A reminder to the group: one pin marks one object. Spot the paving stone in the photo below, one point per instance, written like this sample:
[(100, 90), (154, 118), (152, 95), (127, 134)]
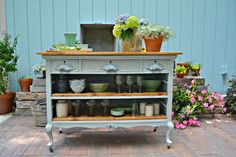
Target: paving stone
[(23, 104), (29, 96), (38, 89), (39, 82)]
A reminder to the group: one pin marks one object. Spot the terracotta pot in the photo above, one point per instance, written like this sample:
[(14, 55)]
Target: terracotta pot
[(180, 75), (153, 45), (6, 101), (186, 66), (196, 72), (25, 84)]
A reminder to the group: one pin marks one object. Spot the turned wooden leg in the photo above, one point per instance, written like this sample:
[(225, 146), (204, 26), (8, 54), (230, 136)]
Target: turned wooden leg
[(48, 129), (169, 134)]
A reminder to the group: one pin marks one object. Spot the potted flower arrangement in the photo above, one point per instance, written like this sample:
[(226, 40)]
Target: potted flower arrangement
[(125, 28), (39, 70), (180, 71), (25, 82), (195, 69), (187, 65), (154, 35), (8, 62)]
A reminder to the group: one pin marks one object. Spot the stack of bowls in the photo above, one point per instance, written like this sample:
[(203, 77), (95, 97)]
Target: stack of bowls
[(77, 85), (117, 112)]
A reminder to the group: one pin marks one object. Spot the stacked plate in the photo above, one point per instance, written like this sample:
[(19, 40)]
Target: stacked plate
[(77, 85), (117, 112)]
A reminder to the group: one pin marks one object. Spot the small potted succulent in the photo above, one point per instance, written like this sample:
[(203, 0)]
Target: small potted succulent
[(180, 71), (8, 62), (125, 28), (25, 82), (187, 65), (195, 69), (39, 70), (154, 35)]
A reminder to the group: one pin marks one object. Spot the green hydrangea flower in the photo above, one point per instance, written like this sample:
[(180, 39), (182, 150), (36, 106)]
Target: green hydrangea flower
[(132, 22), (117, 30)]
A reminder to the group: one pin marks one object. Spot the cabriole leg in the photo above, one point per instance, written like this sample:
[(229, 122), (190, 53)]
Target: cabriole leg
[(169, 134), (48, 129)]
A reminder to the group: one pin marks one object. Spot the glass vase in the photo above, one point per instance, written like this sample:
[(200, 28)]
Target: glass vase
[(132, 44)]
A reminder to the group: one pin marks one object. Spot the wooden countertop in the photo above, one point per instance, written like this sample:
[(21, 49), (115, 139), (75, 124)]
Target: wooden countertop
[(85, 53)]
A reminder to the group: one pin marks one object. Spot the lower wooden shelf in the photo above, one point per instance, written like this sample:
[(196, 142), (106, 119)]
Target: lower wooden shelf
[(109, 118)]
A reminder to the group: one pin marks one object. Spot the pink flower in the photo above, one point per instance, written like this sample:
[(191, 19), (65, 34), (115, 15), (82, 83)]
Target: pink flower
[(182, 115), (176, 124), (222, 103), (193, 122), (224, 110), (188, 111), (205, 105), (212, 107), (209, 98), (193, 81), (192, 99), (180, 126), (200, 98), (203, 91), (185, 85), (185, 122)]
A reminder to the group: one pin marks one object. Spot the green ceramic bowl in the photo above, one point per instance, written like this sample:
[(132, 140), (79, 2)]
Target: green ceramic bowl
[(117, 111), (151, 85), (98, 87)]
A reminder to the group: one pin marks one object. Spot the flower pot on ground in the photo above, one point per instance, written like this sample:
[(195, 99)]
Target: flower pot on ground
[(180, 71), (8, 61), (195, 69), (25, 82), (154, 35), (126, 29), (39, 70)]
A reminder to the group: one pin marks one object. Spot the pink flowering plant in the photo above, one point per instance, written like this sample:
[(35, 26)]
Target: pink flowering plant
[(188, 102)]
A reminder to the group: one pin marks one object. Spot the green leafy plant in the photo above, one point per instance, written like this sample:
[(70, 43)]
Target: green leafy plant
[(8, 60), (180, 70), (39, 68), (195, 66), (230, 99), (25, 77), (154, 31), (126, 26)]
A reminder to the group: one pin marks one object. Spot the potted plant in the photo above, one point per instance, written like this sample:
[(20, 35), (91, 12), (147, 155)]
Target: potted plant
[(25, 82), (154, 35), (8, 62), (180, 71), (125, 28), (39, 70), (195, 69), (187, 65)]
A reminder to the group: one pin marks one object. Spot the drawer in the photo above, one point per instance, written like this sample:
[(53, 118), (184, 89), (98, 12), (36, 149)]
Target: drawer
[(156, 66), (68, 65), (106, 65)]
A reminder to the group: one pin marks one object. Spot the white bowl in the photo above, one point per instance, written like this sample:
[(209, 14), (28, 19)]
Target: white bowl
[(77, 89)]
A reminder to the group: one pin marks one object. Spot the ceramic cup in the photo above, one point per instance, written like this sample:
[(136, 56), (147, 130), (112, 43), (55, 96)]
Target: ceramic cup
[(149, 110)]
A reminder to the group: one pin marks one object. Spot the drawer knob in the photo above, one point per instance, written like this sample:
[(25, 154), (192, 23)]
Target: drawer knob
[(64, 67), (110, 67), (110, 126), (155, 67)]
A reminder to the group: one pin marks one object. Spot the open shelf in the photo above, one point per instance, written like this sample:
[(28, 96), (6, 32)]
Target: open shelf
[(110, 118), (109, 95)]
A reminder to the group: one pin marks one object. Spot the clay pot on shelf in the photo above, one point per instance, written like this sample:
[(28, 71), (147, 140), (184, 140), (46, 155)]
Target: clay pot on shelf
[(186, 65), (153, 44), (25, 84), (6, 102), (179, 75), (195, 72)]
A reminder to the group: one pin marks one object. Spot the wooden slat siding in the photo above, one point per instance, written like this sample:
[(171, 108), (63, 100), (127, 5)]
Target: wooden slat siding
[(230, 55), (109, 118), (33, 8), (21, 28), (150, 7), (198, 31), (59, 20), (168, 12), (218, 58), (10, 27), (138, 8), (186, 29), (99, 11), (209, 40), (111, 10), (162, 15)]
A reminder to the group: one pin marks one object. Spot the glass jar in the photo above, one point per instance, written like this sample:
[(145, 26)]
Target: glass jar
[(62, 84), (62, 108)]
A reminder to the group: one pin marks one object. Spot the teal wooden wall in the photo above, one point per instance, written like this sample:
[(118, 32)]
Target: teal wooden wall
[(205, 29)]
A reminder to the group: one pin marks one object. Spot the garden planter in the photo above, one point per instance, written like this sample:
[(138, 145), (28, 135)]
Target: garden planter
[(186, 66), (25, 84), (153, 45), (6, 101), (133, 44), (42, 74), (196, 72), (70, 39), (180, 75)]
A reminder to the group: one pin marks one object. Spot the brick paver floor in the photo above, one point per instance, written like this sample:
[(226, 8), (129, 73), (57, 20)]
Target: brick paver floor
[(215, 138)]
